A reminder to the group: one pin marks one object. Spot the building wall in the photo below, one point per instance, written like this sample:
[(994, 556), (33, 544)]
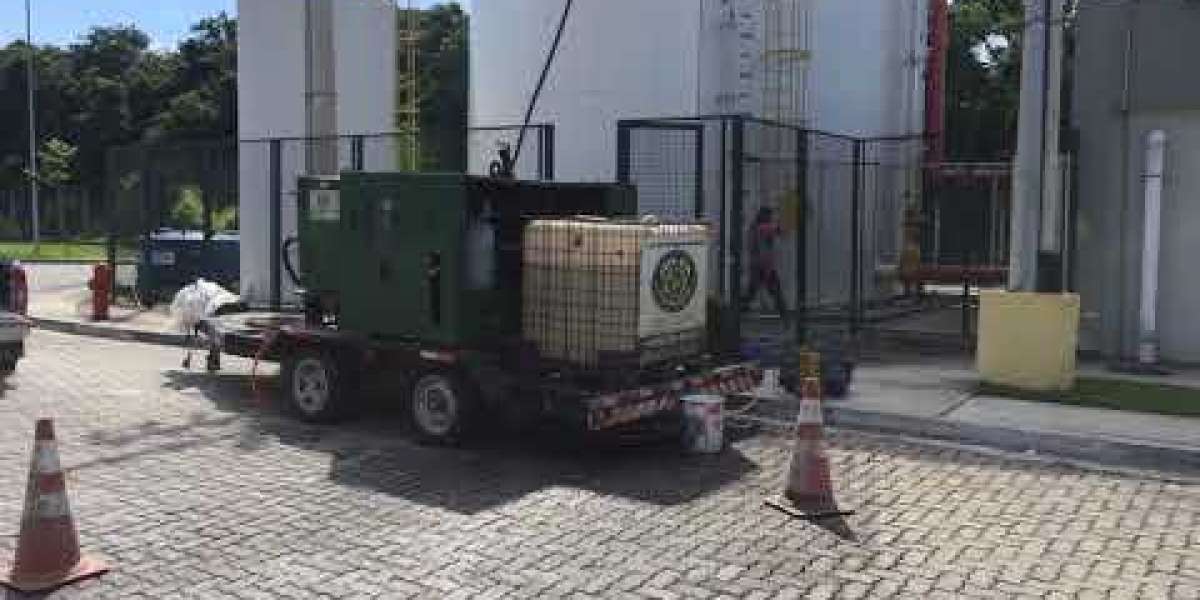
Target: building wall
[(618, 59), (868, 60), (1163, 94), (623, 59), (271, 81)]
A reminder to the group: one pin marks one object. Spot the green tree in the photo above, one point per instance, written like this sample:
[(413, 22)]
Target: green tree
[(443, 68), (983, 79), (56, 163), (55, 105), (205, 99), (107, 62)]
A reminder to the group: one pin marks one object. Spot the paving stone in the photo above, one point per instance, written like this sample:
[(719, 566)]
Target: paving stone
[(197, 488)]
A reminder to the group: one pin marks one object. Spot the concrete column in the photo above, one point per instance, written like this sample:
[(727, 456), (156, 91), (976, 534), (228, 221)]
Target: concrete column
[(320, 91), (1035, 193)]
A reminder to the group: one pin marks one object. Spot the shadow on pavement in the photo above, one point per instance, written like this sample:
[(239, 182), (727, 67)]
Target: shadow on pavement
[(374, 451)]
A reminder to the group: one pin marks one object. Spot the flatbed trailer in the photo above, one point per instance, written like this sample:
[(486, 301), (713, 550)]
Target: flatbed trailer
[(451, 391)]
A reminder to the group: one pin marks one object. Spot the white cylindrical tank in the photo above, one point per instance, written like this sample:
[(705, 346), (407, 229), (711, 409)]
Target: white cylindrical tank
[(857, 68), (618, 59), (271, 105)]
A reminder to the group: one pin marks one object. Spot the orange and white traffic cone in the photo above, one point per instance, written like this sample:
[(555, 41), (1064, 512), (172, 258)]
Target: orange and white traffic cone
[(48, 549), (809, 491)]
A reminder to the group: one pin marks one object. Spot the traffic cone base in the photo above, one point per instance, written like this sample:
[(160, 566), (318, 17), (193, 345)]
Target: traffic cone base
[(41, 582), (785, 506), (47, 555)]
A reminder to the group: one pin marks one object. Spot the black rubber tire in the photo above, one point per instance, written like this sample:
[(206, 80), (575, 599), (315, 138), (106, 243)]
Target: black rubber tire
[(457, 423), (327, 404)]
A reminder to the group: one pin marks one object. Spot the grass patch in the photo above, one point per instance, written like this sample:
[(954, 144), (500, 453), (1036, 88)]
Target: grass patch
[(77, 251), (1117, 394)]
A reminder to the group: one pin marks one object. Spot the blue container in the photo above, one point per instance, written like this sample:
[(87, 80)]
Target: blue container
[(170, 259)]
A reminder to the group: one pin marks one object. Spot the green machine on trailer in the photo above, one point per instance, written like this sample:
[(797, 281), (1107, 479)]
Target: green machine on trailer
[(485, 296)]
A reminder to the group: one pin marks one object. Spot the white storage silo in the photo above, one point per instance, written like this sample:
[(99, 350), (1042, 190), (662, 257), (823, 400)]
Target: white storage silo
[(618, 59), (848, 67)]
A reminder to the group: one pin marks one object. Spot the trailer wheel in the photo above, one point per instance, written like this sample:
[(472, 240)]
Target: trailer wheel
[(314, 386), (441, 407)]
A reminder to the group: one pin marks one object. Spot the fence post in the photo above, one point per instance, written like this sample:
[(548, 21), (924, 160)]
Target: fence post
[(60, 207), (700, 208), (737, 191), (85, 210), (276, 225), (856, 238), (547, 159), (623, 152), (722, 246), (357, 160), (801, 234)]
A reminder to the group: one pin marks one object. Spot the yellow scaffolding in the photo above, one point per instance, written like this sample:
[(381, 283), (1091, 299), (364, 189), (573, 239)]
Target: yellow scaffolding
[(408, 87)]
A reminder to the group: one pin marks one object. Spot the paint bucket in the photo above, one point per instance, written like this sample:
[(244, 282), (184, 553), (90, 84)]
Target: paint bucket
[(703, 424), (770, 388)]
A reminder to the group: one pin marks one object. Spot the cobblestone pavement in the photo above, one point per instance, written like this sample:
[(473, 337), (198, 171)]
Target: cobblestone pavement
[(195, 489)]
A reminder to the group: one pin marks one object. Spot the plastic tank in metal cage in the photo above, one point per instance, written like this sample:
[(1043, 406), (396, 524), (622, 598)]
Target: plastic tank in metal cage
[(604, 293)]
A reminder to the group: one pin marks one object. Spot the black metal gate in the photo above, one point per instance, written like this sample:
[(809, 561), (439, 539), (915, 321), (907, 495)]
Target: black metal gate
[(665, 161), (838, 202)]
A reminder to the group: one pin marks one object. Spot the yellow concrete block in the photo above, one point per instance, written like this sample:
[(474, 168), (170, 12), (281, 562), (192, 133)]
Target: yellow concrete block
[(1028, 340)]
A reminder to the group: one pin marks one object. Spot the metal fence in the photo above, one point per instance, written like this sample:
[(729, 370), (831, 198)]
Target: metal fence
[(838, 202), (182, 185), (66, 212), (966, 220)]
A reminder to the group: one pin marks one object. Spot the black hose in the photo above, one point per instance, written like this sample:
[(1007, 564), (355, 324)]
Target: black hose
[(287, 260), (537, 91)]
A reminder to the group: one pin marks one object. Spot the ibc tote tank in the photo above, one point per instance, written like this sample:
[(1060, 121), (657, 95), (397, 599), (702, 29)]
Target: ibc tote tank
[(603, 293)]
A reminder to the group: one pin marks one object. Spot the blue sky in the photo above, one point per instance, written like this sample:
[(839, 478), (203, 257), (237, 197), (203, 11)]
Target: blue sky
[(63, 21)]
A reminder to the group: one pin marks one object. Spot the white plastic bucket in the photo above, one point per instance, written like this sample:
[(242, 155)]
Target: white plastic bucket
[(770, 388), (703, 424)]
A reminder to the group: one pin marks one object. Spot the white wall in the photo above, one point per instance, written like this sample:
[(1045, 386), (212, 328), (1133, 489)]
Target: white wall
[(618, 59), (271, 80), (868, 63), (632, 58)]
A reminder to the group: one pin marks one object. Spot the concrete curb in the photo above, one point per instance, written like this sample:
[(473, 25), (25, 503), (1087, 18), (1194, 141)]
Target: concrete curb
[(1091, 448), (111, 332), (1082, 447)]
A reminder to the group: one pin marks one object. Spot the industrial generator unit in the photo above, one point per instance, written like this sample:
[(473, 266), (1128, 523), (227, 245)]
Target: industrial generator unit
[(489, 295), (435, 257)]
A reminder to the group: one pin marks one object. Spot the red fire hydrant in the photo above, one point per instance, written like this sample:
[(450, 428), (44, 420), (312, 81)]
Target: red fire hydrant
[(18, 290), (101, 286)]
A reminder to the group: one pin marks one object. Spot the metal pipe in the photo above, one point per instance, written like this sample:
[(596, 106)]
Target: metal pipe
[(1151, 242), (275, 224), (30, 83), (1122, 225), (1068, 208), (320, 89), (1028, 172), (1050, 229), (856, 238)]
